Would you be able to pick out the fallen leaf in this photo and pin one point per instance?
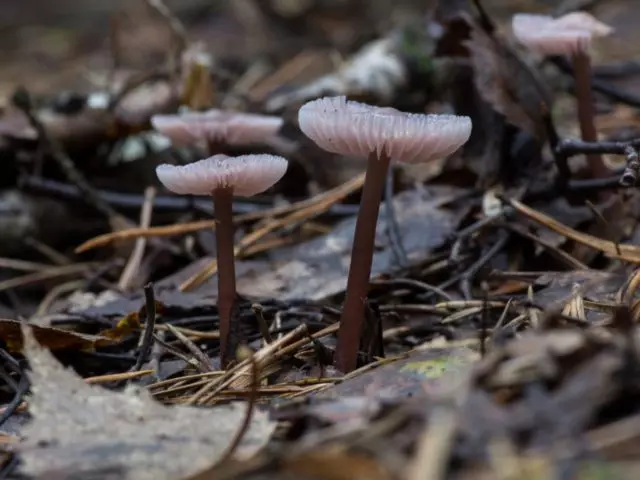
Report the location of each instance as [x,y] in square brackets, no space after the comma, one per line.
[424,371]
[507,83]
[594,285]
[81,429]
[50,337]
[318,269]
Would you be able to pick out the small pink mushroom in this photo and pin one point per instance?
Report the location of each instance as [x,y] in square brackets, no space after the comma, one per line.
[222,177]
[571,35]
[382,135]
[217,128]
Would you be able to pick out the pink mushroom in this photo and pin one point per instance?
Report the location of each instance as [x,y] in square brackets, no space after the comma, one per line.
[217,128]
[223,177]
[382,135]
[571,35]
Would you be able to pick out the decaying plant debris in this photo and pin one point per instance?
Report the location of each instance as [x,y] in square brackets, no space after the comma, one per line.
[500,336]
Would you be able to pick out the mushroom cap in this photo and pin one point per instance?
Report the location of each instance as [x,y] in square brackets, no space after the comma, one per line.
[232,128]
[247,175]
[564,35]
[346,127]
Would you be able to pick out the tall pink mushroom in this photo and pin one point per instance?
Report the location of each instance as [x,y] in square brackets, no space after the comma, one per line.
[223,177]
[217,128]
[382,135]
[571,35]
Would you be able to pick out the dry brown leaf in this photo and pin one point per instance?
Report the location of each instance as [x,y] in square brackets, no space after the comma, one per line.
[507,83]
[82,430]
[51,337]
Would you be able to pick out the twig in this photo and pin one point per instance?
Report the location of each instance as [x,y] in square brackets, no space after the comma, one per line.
[393,228]
[262,323]
[49,273]
[133,263]
[408,282]
[21,390]
[571,147]
[600,86]
[630,175]
[116,377]
[253,396]
[433,450]
[53,255]
[561,255]
[167,347]
[54,293]
[203,360]
[630,253]
[176,26]
[22,265]
[146,339]
[169,203]
[262,355]
[472,271]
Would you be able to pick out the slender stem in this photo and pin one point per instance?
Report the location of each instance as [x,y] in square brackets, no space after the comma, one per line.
[586,114]
[352,317]
[222,204]
[214,148]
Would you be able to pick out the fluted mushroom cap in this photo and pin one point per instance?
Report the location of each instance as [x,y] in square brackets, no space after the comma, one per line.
[247,175]
[346,127]
[564,35]
[232,128]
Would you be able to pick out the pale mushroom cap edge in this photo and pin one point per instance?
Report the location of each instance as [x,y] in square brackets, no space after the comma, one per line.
[346,127]
[247,175]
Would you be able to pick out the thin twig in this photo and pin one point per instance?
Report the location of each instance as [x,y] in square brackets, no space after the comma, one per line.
[472,271]
[49,273]
[203,360]
[146,339]
[253,395]
[176,26]
[409,282]
[133,264]
[393,228]
[116,377]
[23,387]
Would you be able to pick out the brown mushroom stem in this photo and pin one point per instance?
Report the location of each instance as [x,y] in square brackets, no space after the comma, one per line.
[352,317]
[222,204]
[586,113]
[214,148]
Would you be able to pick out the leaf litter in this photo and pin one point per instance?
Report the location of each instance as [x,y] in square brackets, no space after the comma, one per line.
[500,337]
[82,429]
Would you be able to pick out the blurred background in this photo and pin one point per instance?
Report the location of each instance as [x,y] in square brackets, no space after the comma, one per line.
[66,43]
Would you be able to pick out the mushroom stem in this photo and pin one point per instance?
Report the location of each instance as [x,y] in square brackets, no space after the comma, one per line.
[222,204]
[586,114]
[214,147]
[352,316]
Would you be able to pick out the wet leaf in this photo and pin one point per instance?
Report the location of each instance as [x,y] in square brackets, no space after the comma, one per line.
[426,371]
[81,429]
[51,337]
[318,268]
[593,285]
